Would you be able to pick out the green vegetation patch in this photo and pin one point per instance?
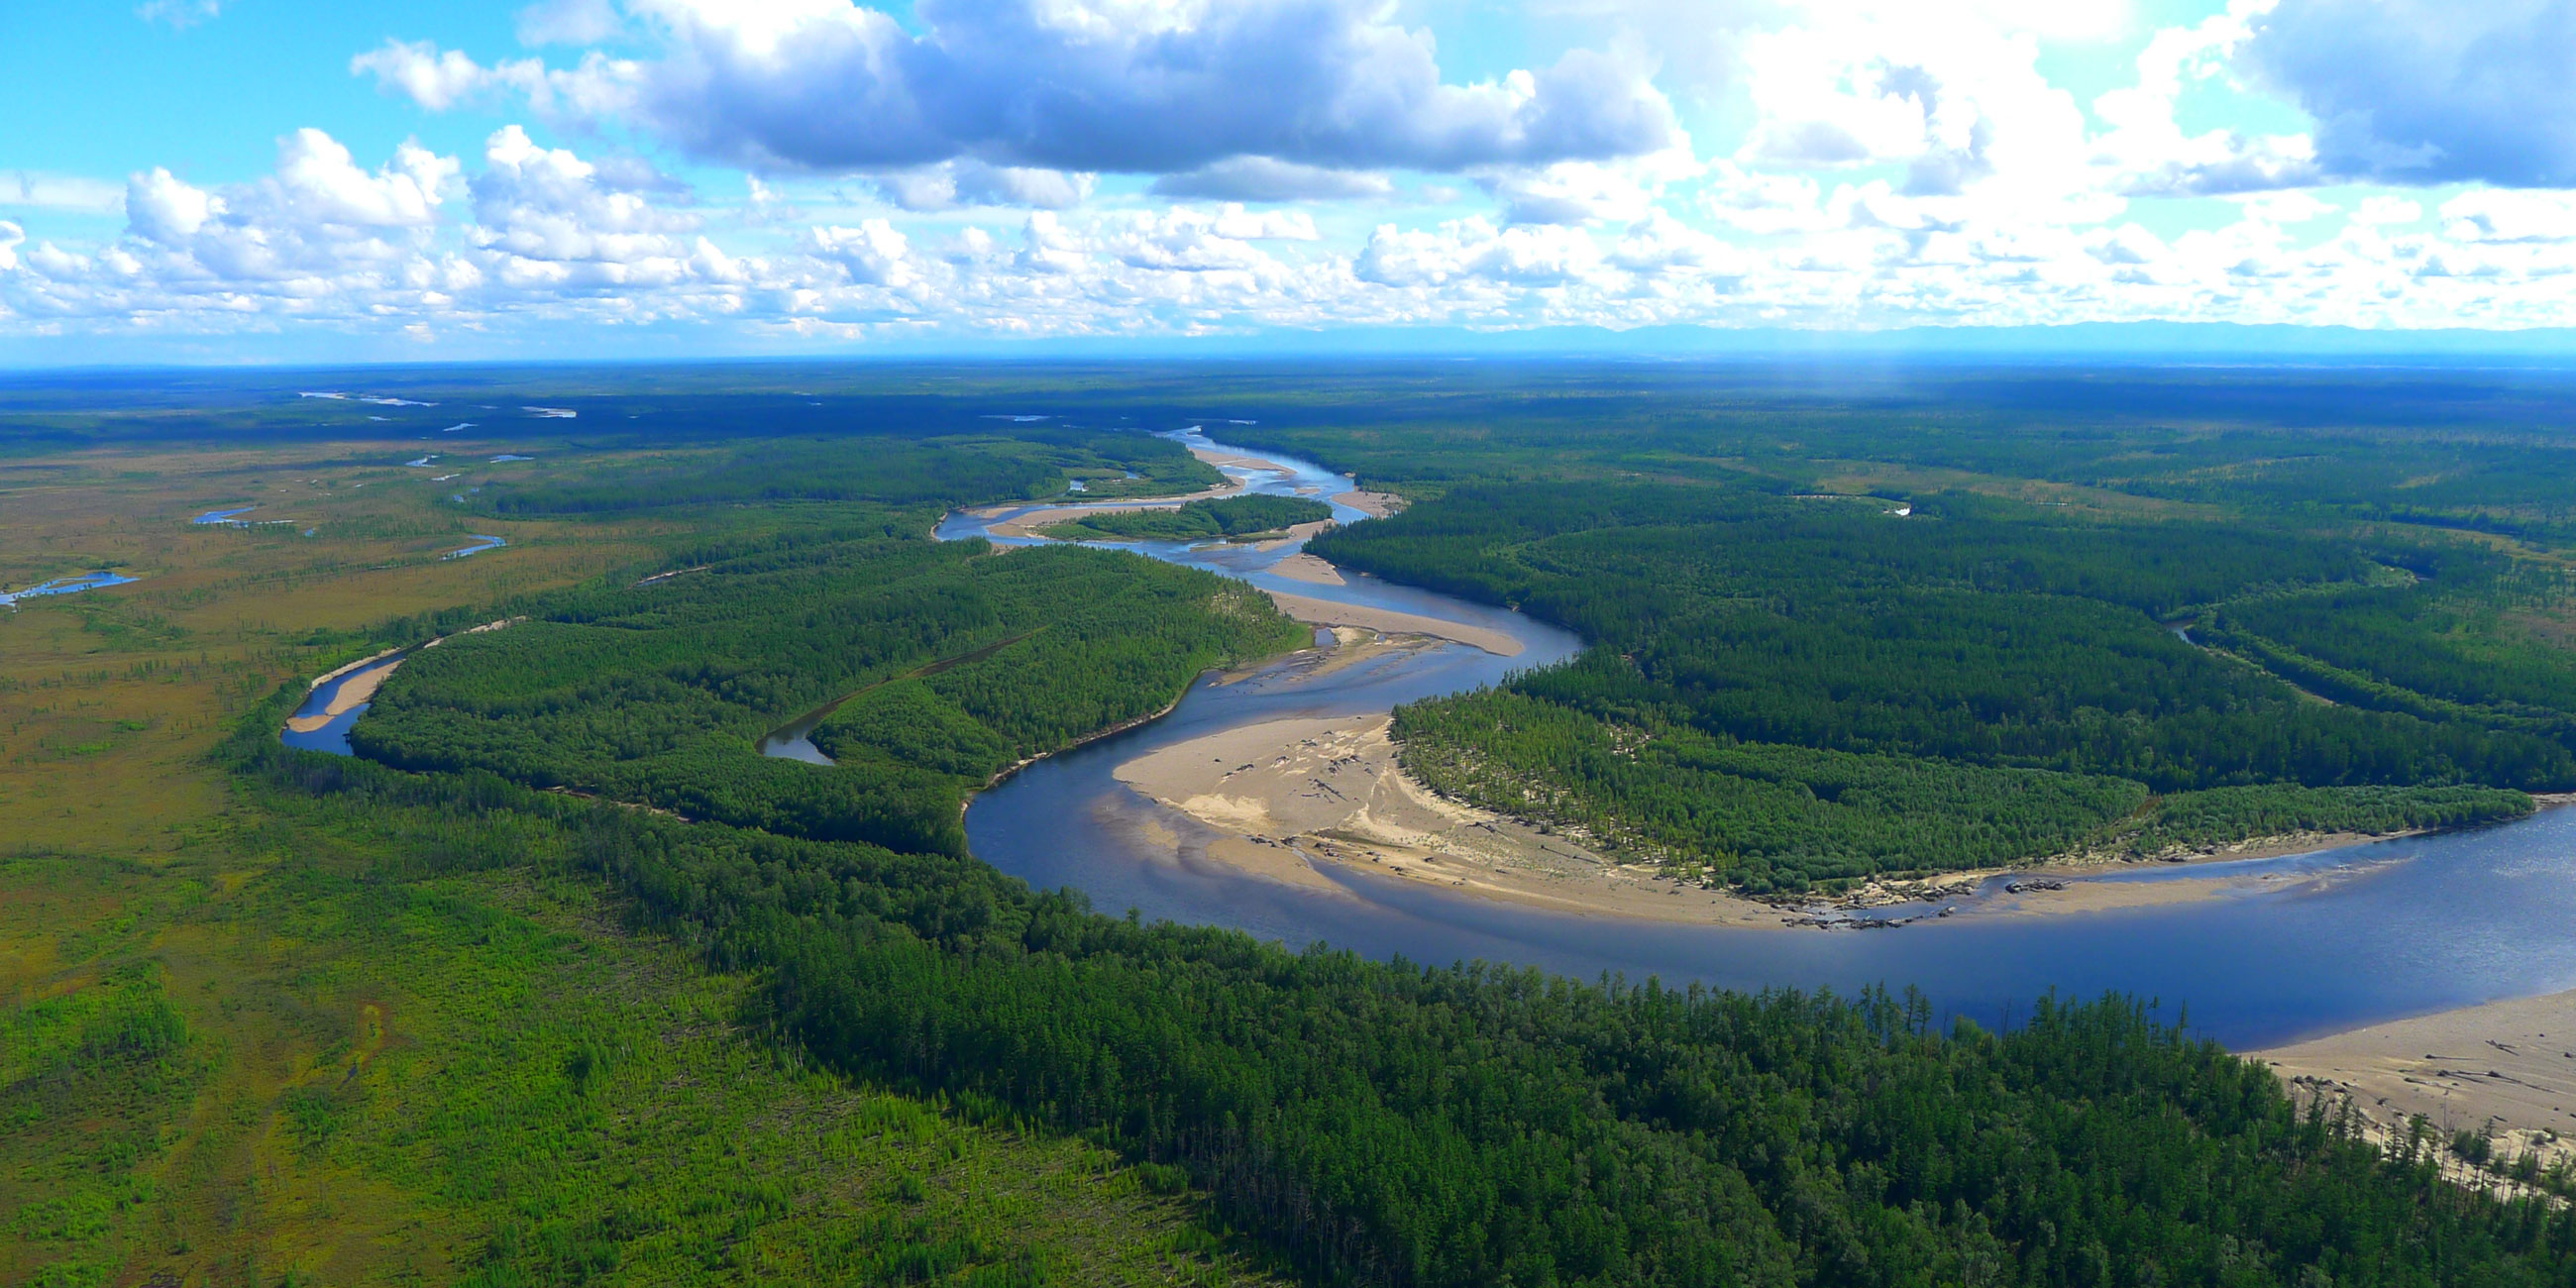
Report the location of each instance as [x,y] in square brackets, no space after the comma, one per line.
[1762,662]
[658,695]
[1234,519]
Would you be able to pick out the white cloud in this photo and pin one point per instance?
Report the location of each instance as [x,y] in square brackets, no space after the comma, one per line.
[1473,249]
[599,87]
[11,236]
[1257,178]
[38,191]
[872,253]
[1150,86]
[546,219]
[569,22]
[2505,216]
[952,184]
[435,80]
[2430,91]
[179,14]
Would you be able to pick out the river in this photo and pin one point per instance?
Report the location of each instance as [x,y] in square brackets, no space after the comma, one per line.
[2328,941]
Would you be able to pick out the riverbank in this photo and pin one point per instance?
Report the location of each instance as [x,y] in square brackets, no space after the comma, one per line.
[1034,523]
[2506,1068]
[1286,795]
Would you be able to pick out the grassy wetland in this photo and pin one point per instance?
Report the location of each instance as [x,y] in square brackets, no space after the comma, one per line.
[560,981]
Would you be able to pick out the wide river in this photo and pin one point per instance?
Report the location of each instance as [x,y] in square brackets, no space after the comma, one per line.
[2334,940]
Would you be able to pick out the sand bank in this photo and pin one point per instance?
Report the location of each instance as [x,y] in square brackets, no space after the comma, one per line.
[1376,505]
[355,692]
[1286,795]
[1324,612]
[1034,523]
[2511,1064]
[1309,569]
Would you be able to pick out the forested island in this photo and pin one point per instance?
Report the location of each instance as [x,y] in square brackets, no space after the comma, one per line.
[1827,638]
[1241,518]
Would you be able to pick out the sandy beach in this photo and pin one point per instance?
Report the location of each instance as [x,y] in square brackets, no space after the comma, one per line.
[2511,1064]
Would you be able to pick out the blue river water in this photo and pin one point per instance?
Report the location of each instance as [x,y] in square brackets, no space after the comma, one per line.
[68,586]
[2301,945]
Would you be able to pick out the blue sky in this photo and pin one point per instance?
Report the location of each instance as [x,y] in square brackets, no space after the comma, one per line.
[263,180]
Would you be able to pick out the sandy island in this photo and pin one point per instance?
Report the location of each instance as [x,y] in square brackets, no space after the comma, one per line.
[1325,612]
[2506,1065]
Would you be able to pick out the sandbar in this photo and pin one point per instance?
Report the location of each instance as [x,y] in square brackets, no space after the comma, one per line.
[1325,612]
[356,691]
[2510,1065]
[1376,505]
[1307,568]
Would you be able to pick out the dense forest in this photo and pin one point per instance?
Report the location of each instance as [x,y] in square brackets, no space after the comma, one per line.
[1389,1123]
[1233,519]
[1786,691]
[950,662]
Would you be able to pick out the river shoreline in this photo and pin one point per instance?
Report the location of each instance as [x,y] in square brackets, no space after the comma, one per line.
[2508,1067]
[1285,796]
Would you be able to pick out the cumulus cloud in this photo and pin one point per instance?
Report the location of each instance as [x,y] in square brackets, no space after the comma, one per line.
[1269,179]
[597,88]
[11,236]
[2430,91]
[1072,85]
[550,219]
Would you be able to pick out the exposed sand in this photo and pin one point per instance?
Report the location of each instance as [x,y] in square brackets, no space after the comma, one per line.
[1324,612]
[1376,505]
[357,691]
[1286,795]
[1307,568]
[362,663]
[1034,523]
[2510,1063]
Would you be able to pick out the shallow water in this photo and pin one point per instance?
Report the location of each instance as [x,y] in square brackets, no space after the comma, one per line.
[69,586]
[481,544]
[2308,943]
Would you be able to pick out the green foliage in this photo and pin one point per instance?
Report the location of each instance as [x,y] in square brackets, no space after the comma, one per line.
[2189,820]
[1772,817]
[90,1081]
[1387,1123]
[956,662]
[873,464]
[1742,635]
[1233,518]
